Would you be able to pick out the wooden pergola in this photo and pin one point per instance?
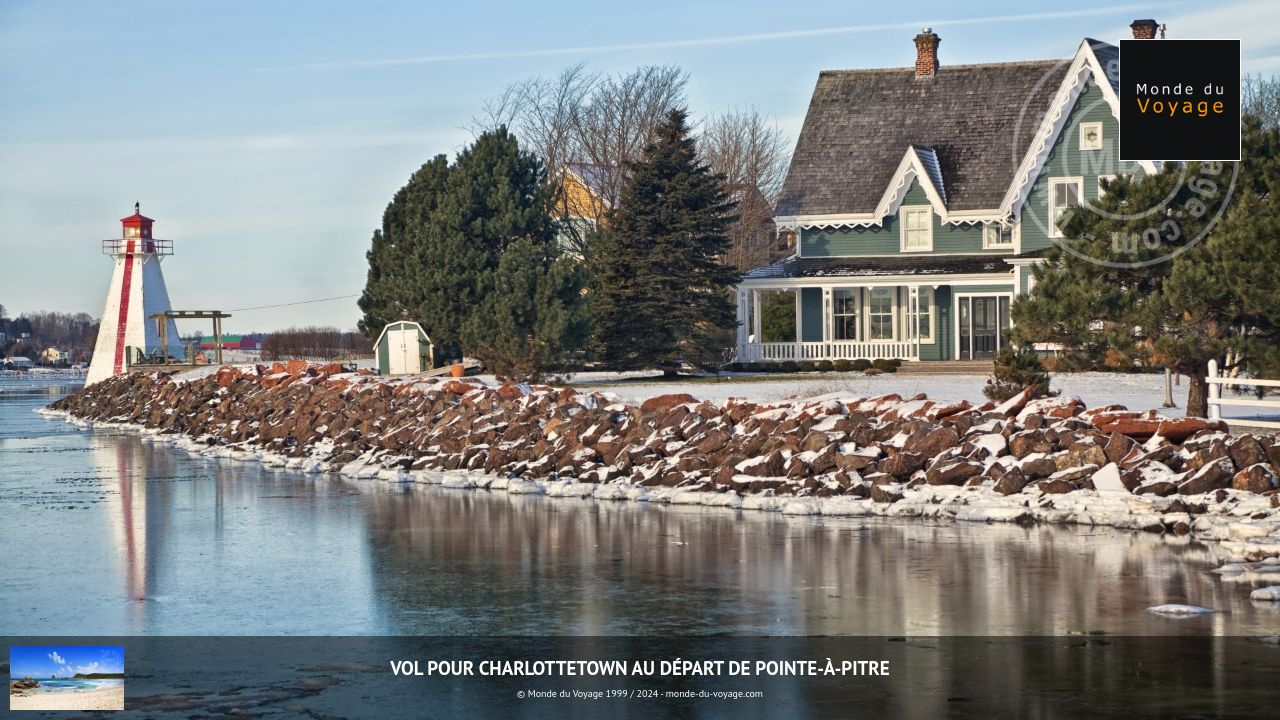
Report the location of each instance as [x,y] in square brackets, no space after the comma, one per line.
[217,316]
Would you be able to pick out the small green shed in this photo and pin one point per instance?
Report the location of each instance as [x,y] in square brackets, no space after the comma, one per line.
[403,348]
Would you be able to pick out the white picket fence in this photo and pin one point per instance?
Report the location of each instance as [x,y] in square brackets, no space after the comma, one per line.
[1216,401]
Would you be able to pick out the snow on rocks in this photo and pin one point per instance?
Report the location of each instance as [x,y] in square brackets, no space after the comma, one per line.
[1024,460]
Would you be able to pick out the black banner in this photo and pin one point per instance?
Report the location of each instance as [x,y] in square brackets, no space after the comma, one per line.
[704,677]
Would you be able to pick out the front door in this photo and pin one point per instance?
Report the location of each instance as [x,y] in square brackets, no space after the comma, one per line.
[984,323]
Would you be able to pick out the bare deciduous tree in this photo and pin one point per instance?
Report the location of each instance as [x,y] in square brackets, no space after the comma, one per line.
[542,112]
[1261,97]
[619,117]
[315,343]
[752,153]
[588,124]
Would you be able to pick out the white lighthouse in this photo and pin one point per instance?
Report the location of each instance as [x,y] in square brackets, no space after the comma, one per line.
[137,292]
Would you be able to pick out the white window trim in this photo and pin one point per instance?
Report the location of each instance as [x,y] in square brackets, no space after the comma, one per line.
[856,297]
[1054,232]
[902,222]
[1108,178]
[1084,128]
[931,307]
[988,245]
[893,314]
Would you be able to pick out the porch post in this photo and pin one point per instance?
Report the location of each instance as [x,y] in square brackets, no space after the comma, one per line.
[828,325]
[913,314]
[755,315]
[799,318]
[742,323]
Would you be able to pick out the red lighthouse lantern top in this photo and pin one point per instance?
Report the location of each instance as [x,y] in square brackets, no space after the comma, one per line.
[136,226]
[136,238]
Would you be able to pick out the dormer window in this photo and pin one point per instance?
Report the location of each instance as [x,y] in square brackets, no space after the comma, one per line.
[1091,136]
[917,228]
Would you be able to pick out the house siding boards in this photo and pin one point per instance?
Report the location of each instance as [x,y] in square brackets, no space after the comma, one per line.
[944,337]
[811,314]
[886,239]
[1066,159]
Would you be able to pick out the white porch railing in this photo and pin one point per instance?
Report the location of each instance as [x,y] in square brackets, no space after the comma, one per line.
[1216,401]
[834,350]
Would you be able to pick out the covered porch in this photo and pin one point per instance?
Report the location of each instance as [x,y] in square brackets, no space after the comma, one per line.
[861,315]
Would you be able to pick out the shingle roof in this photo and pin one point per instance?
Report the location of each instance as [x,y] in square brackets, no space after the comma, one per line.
[929,160]
[873,266]
[1109,58]
[860,122]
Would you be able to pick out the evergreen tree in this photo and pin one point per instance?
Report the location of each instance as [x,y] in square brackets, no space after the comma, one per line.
[778,318]
[1212,298]
[495,194]
[391,283]
[659,286]
[530,315]
[469,252]
[1016,368]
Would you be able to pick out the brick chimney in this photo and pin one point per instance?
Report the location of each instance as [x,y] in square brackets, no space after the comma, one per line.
[1144,29]
[927,54]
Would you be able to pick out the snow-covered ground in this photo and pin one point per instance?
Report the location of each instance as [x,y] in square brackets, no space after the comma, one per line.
[1134,391]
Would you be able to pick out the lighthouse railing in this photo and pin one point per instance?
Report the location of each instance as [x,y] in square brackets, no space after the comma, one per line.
[117,246]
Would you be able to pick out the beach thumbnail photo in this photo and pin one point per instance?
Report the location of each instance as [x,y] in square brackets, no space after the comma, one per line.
[66,677]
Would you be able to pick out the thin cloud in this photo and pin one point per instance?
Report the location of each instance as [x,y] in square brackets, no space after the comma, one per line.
[710,41]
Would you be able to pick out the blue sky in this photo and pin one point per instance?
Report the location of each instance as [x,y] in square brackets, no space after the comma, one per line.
[64,660]
[266,137]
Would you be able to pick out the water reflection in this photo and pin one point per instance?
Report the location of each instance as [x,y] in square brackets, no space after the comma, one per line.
[492,563]
[108,534]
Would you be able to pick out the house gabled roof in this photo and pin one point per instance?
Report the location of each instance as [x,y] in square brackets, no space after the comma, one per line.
[973,122]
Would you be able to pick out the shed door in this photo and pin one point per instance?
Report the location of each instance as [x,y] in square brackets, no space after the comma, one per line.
[402,349]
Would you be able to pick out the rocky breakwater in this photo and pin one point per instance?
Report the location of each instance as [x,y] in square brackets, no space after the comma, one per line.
[1022,460]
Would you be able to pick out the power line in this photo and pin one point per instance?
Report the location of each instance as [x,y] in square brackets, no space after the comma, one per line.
[300,302]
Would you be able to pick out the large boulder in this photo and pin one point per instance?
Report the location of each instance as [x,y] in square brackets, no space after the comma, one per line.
[1246,450]
[885,494]
[931,441]
[1118,447]
[771,465]
[1212,476]
[1012,481]
[1027,442]
[1257,478]
[952,473]
[901,465]
[664,403]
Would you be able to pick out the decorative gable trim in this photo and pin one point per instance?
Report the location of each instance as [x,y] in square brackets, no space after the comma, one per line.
[917,165]
[1085,66]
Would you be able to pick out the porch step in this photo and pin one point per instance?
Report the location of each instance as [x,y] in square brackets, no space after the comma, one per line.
[947,367]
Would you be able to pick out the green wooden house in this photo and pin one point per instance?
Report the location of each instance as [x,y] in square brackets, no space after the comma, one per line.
[920,196]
